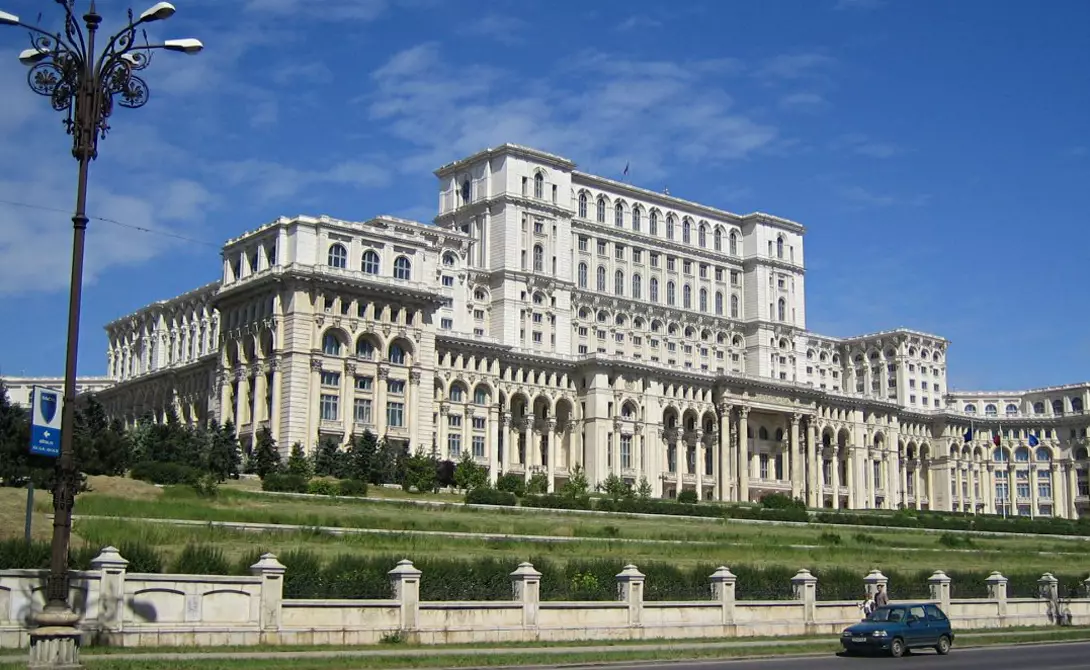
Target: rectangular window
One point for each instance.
(654, 260)
(478, 446)
(637, 256)
(395, 386)
(365, 383)
(331, 378)
(601, 247)
(330, 407)
(584, 243)
(478, 423)
(454, 445)
(395, 414)
(362, 410)
(478, 314)
(446, 323)
(618, 252)
(454, 420)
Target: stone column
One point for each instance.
(724, 583)
(550, 454)
(526, 587)
(380, 400)
(1048, 587)
(815, 494)
(743, 454)
(271, 572)
(405, 579)
(111, 591)
(1059, 507)
(1072, 489)
(723, 477)
(853, 499)
(997, 591)
(412, 407)
(939, 586)
(240, 398)
(630, 590)
(348, 394)
(804, 585)
(442, 429)
(492, 424)
(274, 415)
(795, 454)
(314, 404)
(698, 456)
(917, 482)
(836, 476)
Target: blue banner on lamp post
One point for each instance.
(45, 422)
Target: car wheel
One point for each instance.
(897, 648)
(943, 647)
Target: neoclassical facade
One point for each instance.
(550, 318)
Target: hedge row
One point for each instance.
(291, 483)
(900, 519)
(365, 577)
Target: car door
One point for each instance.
(937, 623)
(917, 631)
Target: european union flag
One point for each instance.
(1033, 441)
(968, 435)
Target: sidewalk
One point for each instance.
(440, 650)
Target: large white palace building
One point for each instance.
(550, 317)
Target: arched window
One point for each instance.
(457, 394)
(403, 269)
(702, 237)
(1012, 410)
(781, 309)
(539, 258)
(338, 256)
(671, 296)
(370, 262)
(618, 215)
(1042, 455)
(636, 286)
(703, 300)
(365, 349)
(480, 396)
(465, 192)
(734, 307)
(653, 290)
(717, 239)
(687, 296)
(990, 410)
(582, 275)
(601, 210)
(448, 260)
(719, 303)
(601, 283)
(999, 455)
(653, 223)
(397, 354)
(636, 213)
(582, 205)
(1076, 404)
(733, 243)
(1021, 455)
(618, 282)
(539, 186)
(331, 346)
(686, 231)
(779, 247)
(669, 227)
(970, 409)
(1038, 408)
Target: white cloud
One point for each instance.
(502, 28)
(793, 66)
(600, 109)
(803, 101)
(860, 198)
(865, 146)
(324, 10)
(270, 180)
(638, 22)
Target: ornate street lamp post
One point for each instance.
(84, 85)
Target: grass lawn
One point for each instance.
(696, 540)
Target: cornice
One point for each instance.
(591, 300)
(552, 160)
(750, 262)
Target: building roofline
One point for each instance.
(507, 149)
(210, 287)
(681, 203)
(970, 395)
(387, 219)
(880, 333)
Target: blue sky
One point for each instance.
(938, 152)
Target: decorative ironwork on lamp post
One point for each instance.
(85, 85)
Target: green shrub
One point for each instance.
(165, 473)
(553, 501)
(284, 483)
(201, 559)
(687, 497)
(352, 487)
(142, 557)
(511, 482)
(322, 487)
(781, 501)
(490, 496)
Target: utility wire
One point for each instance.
(115, 222)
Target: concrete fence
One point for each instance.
(129, 609)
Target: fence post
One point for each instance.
(997, 591)
(873, 580)
(111, 588)
(1048, 587)
(630, 590)
(939, 586)
(405, 579)
(723, 590)
(271, 572)
(804, 585)
(526, 587)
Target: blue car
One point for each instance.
(895, 629)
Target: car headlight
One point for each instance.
(847, 633)
(879, 633)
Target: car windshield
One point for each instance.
(887, 614)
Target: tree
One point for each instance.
(388, 465)
(577, 485)
(102, 447)
(644, 490)
(421, 472)
(615, 488)
(266, 459)
(329, 460)
(298, 463)
(361, 456)
(538, 483)
(222, 453)
(470, 475)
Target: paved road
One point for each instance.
(1069, 656)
